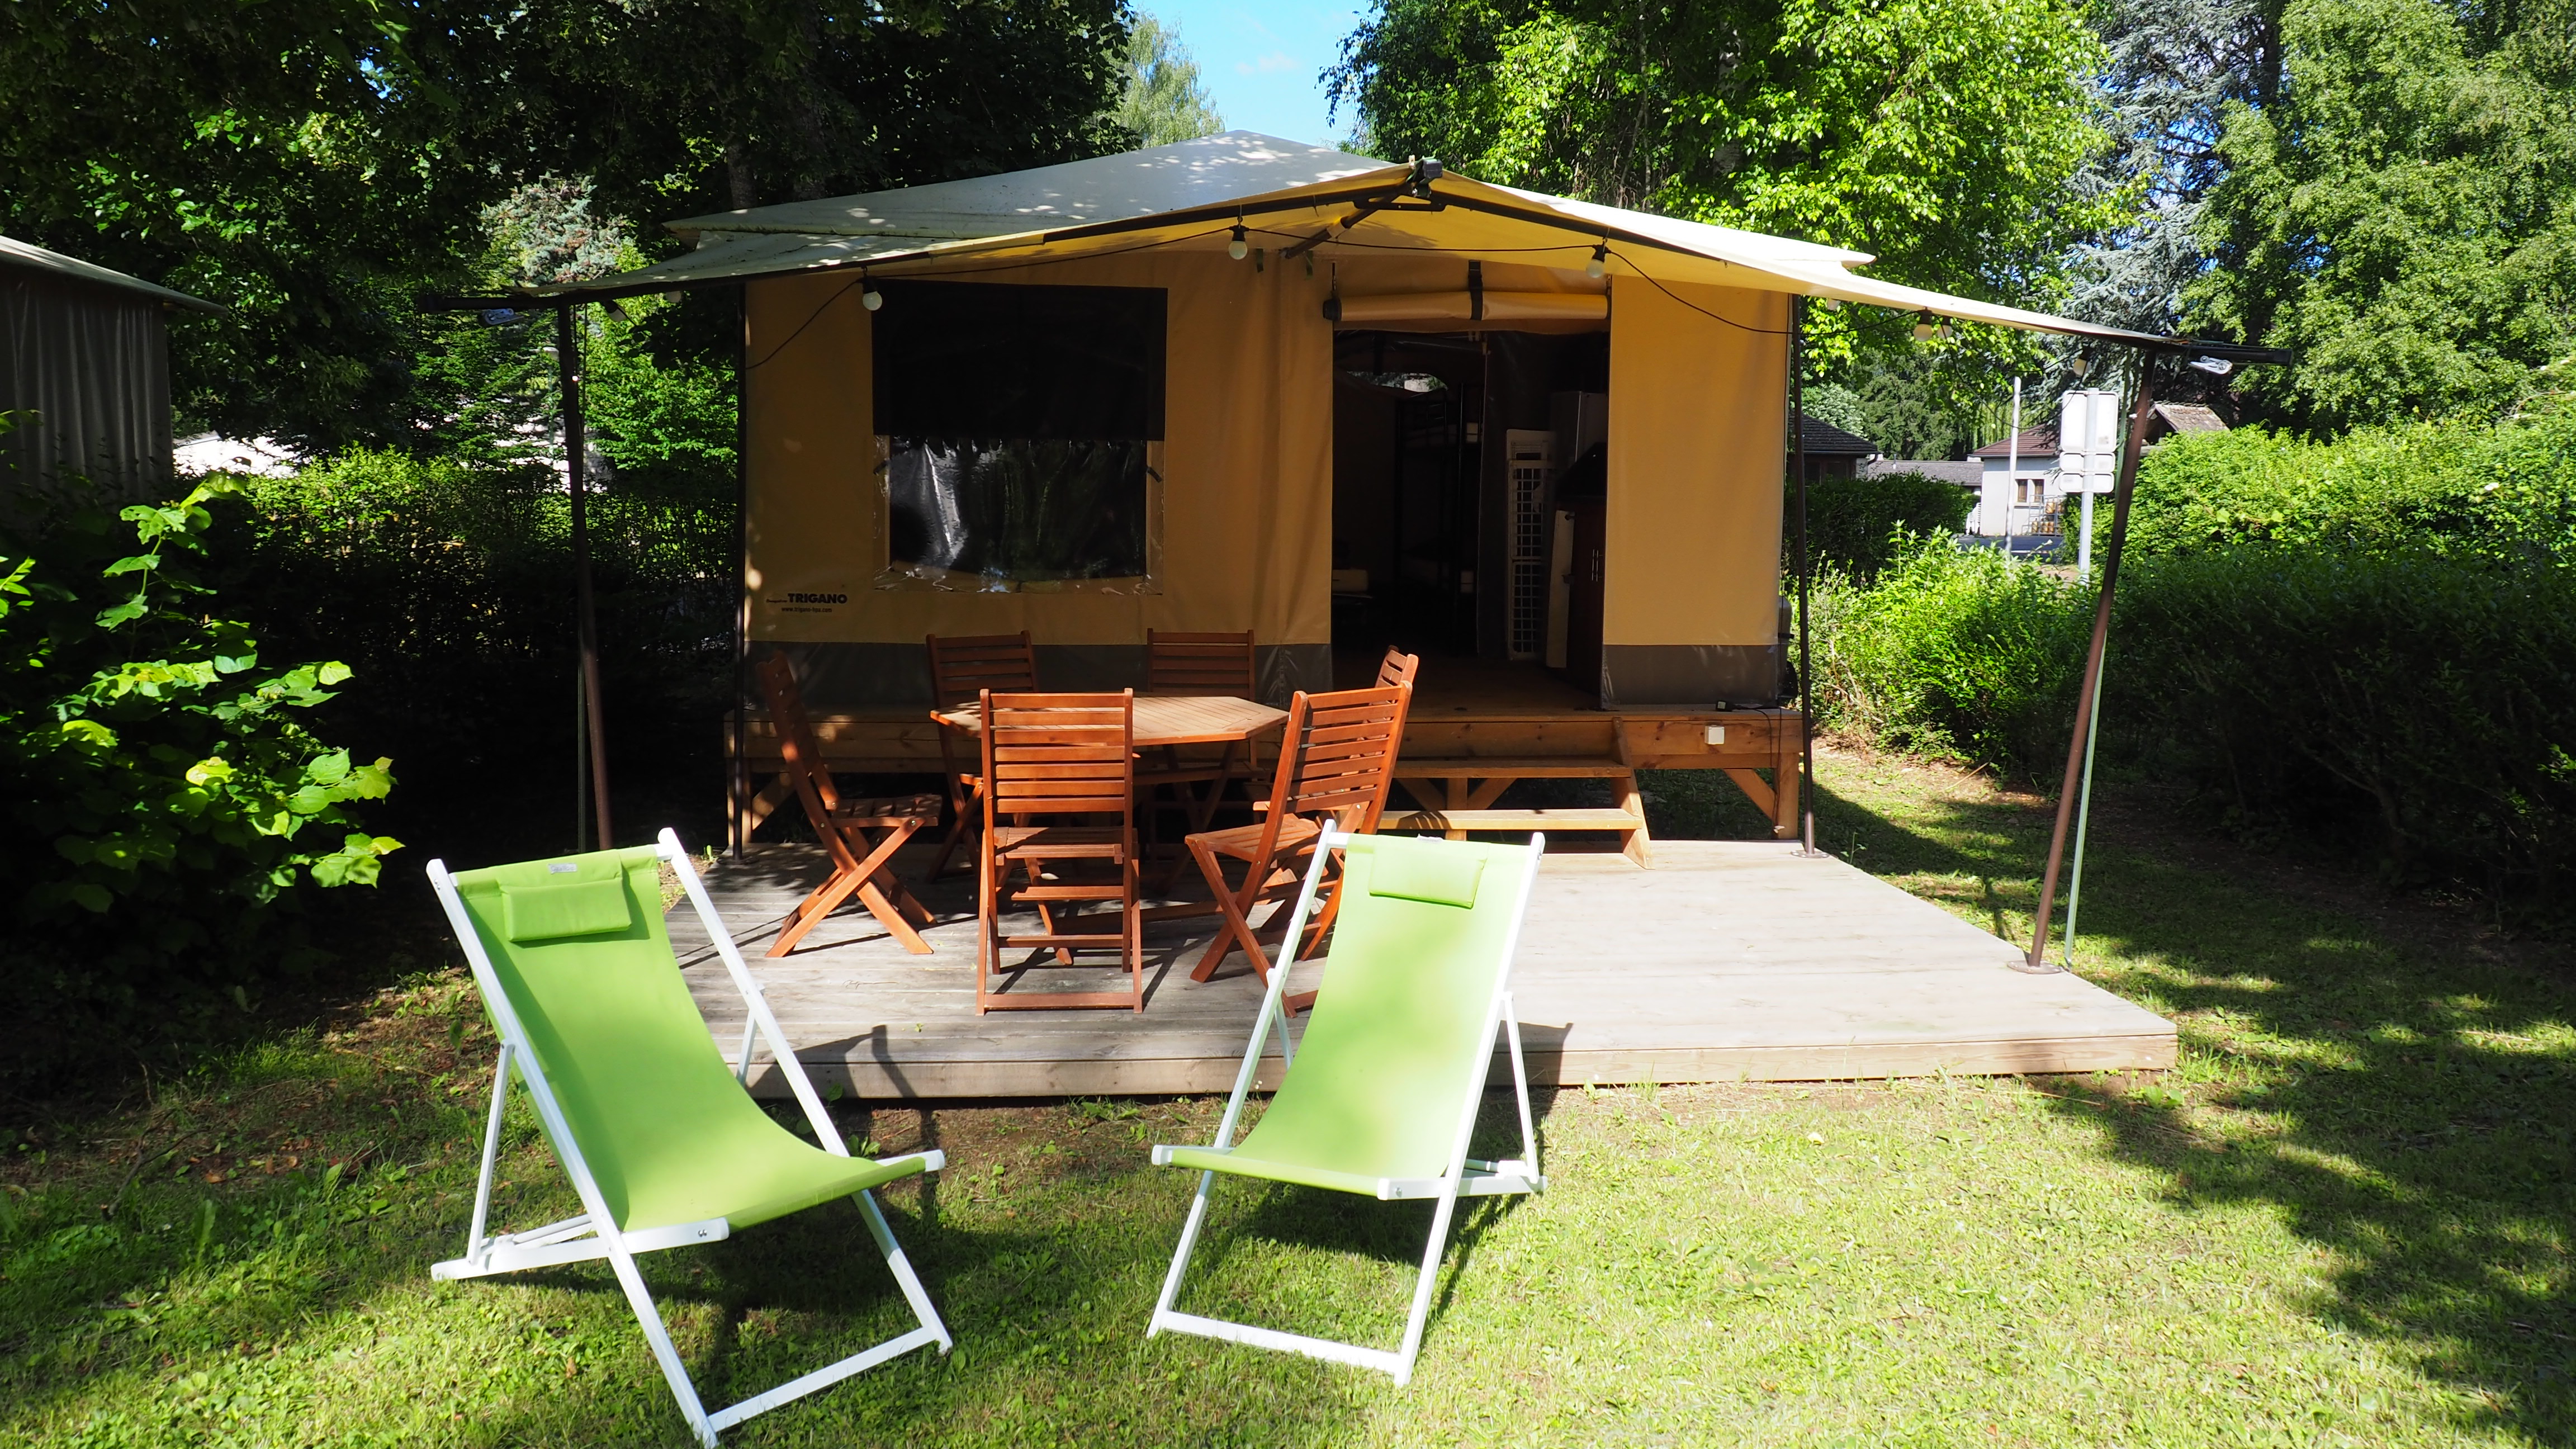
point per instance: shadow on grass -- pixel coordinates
(2400, 1091)
(313, 1293)
(1350, 1258)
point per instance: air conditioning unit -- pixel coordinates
(1529, 458)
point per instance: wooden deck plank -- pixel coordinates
(1729, 961)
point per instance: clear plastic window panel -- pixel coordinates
(1020, 514)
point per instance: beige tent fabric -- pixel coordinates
(1246, 529)
(1695, 443)
(1696, 423)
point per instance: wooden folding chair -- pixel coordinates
(1060, 755)
(1397, 667)
(1198, 664)
(961, 668)
(861, 835)
(1336, 761)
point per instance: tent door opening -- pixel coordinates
(1408, 437)
(1453, 533)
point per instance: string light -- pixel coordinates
(1599, 266)
(1239, 247)
(1924, 328)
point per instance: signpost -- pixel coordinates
(2088, 461)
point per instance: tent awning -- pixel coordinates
(23, 257)
(1285, 196)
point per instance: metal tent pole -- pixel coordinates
(2087, 696)
(738, 776)
(2083, 819)
(580, 768)
(585, 607)
(1806, 655)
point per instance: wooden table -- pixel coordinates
(1171, 720)
(1167, 720)
(1163, 721)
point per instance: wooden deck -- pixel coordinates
(1729, 961)
(1515, 719)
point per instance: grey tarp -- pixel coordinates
(85, 368)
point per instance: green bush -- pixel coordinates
(1853, 523)
(165, 804)
(2429, 699)
(2505, 490)
(451, 586)
(443, 572)
(2416, 700)
(1964, 654)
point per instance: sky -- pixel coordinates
(1260, 63)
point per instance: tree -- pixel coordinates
(313, 164)
(1939, 134)
(2402, 212)
(1919, 402)
(679, 106)
(2176, 67)
(268, 157)
(1164, 101)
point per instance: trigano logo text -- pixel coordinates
(797, 603)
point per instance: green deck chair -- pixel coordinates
(1380, 1098)
(663, 1143)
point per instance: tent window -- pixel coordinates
(1019, 434)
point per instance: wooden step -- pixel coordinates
(1559, 767)
(1456, 823)
(1554, 818)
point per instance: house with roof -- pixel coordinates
(2023, 481)
(1832, 452)
(2014, 478)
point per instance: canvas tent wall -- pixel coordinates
(1241, 534)
(1698, 323)
(85, 370)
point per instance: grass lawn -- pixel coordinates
(2343, 1219)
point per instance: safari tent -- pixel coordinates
(1243, 383)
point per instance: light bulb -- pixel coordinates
(1833, 304)
(1923, 328)
(872, 299)
(1600, 263)
(1238, 248)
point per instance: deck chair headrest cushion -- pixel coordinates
(1426, 870)
(574, 898)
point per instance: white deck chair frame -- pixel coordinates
(593, 1233)
(1466, 1177)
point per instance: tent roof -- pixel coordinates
(1212, 170)
(19, 255)
(1191, 196)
